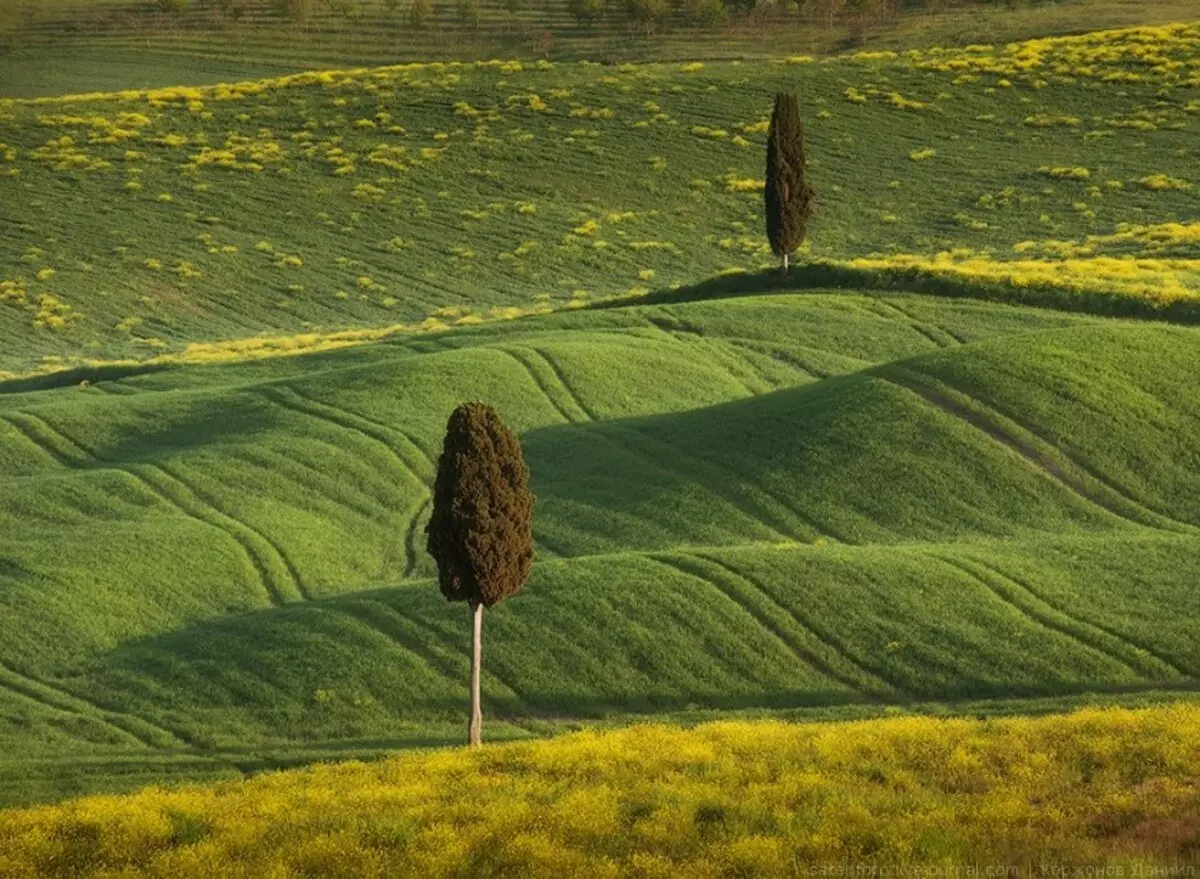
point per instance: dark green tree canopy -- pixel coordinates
(480, 532)
(789, 198)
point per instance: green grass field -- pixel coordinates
(115, 44)
(948, 466)
(136, 225)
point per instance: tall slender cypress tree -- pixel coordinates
(480, 532)
(788, 196)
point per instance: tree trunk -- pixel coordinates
(785, 263)
(476, 729)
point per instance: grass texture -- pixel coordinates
(789, 502)
(326, 208)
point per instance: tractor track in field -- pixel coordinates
(1138, 648)
(1073, 477)
(924, 328)
(613, 434)
(298, 402)
(412, 536)
(679, 329)
(63, 701)
(194, 504)
(213, 504)
(884, 688)
(456, 647)
(788, 357)
(674, 451)
(1161, 520)
(606, 433)
(370, 617)
(1029, 609)
(556, 371)
(749, 507)
(739, 353)
(793, 646)
(309, 477)
(540, 383)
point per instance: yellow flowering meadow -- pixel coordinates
(1099, 786)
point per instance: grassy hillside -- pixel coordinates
(381, 201)
(791, 502)
(1111, 789)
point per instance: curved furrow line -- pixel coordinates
(970, 411)
(406, 642)
(724, 350)
(22, 689)
(776, 524)
(307, 476)
(372, 430)
(1138, 648)
(412, 536)
(916, 324)
(961, 340)
(770, 382)
(456, 647)
(872, 682)
(712, 470)
(541, 385)
(787, 355)
(1030, 610)
(1165, 521)
(64, 459)
(561, 379)
(78, 456)
(792, 645)
(297, 401)
(63, 701)
(234, 526)
(719, 347)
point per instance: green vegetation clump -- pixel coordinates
(481, 531)
(789, 197)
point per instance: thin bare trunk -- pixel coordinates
(785, 263)
(476, 729)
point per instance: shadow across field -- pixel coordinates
(824, 277)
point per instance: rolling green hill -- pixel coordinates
(813, 502)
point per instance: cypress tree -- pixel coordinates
(480, 531)
(789, 199)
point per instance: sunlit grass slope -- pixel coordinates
(139, 223)
(1114, 789)
(795, 502)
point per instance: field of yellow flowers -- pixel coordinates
(375, 201)
(1111, 789)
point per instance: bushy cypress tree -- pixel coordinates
(789, 198)
(480, 532)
